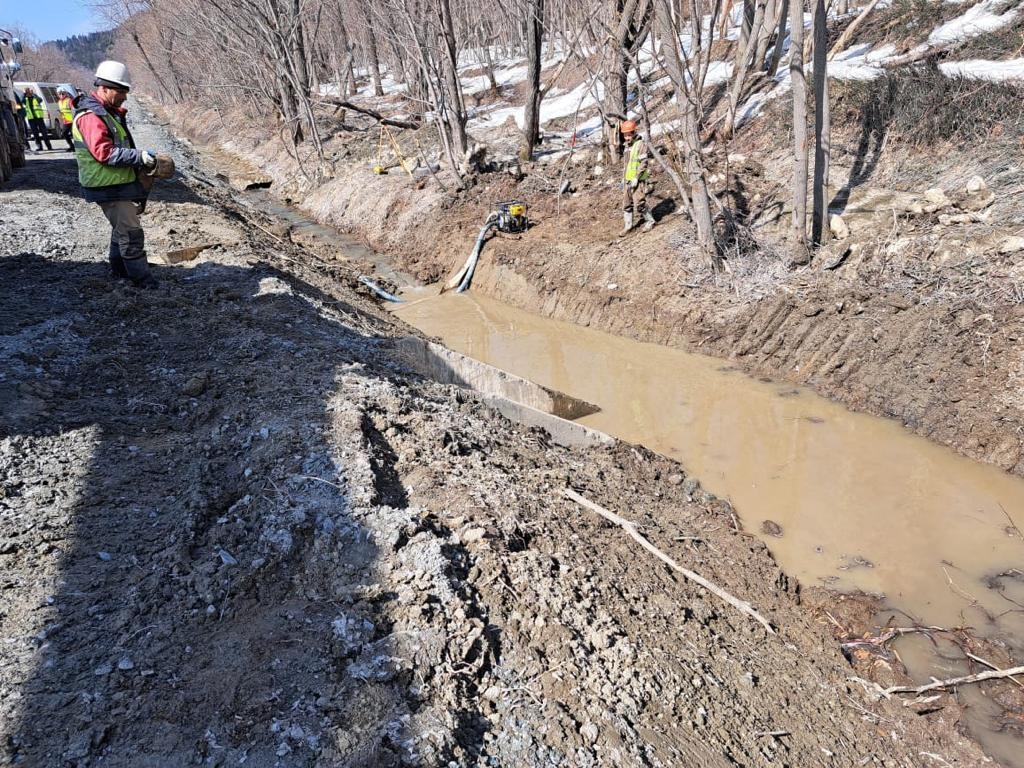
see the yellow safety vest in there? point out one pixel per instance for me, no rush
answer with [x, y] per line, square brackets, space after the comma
[34, 107]
[91, 172]
[633, 164]
[67, 109]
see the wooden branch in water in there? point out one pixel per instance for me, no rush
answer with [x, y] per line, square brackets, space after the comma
[992, 674]
[631, 529]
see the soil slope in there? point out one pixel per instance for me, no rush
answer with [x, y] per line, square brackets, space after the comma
[234, 529]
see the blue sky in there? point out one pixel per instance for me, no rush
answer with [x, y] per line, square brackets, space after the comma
[50, 19]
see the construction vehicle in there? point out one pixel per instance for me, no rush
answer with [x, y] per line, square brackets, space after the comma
[510, 217]
[12, 127]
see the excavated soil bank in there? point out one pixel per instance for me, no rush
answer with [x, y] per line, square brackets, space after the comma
[235, 528]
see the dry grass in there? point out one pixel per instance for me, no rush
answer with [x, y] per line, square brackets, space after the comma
[904, 24]
[921, 107]
[1005, 43]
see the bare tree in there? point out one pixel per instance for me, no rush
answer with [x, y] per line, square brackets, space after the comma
[800, 150]
[629, 23]
[822, 125]
[687, 72]
[531, 114]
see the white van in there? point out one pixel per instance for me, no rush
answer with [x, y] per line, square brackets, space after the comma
[47, 93]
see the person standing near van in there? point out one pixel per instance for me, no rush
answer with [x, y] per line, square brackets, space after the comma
[108, 169]
[35, 116]
[67, 114]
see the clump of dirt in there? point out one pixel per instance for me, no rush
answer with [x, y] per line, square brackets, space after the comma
[235, 528]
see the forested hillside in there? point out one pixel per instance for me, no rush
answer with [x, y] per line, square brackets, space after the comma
[87, 51]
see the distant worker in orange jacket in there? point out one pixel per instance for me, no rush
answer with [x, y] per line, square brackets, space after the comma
[66, 104]
[636, 183]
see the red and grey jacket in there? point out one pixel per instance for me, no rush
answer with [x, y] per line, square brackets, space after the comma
[106, 153]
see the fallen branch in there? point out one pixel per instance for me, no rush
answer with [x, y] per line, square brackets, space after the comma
[371, 113]
[631, 529]
[848, 32]
[993, 674]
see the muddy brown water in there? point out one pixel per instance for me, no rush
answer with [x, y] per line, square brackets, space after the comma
[849, 501]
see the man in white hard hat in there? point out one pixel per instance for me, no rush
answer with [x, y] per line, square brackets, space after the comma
[109, 167]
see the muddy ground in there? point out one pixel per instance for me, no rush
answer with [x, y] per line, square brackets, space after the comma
[236, 529]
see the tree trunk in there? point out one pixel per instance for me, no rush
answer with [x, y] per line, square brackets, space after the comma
[780, 40]
[456, 112]
[531, 115]
[742, 65]
[768, 28]
[372, 53]
[800, 160]
[690, 99]
[629, 21]
[822, 126]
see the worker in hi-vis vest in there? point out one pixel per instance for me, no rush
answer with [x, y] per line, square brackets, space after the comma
[35, 116]
[66, 105]
[109, 166]
[636, 184]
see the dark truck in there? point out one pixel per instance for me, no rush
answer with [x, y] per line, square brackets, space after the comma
[12, 127]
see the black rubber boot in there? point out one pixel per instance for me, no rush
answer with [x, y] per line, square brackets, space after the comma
[139, 274]
[116, 262]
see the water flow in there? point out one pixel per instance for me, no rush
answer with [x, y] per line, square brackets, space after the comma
[845, 500]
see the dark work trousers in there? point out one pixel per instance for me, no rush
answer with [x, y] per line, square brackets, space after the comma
[39, 133]
[66, 135]
[127, 241]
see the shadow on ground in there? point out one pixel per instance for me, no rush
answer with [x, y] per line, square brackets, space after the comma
[194, 567]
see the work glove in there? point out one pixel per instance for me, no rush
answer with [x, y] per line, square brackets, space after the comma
[148, 159]
[164, 168]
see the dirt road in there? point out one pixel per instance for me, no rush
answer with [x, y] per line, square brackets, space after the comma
[234, 529]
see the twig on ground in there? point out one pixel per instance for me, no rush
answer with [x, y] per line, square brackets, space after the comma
[696, 578]
[992, 674]
[890, 633]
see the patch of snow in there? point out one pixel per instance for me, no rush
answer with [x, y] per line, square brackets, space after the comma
[980, 69]
[978, 20]
[859, 62]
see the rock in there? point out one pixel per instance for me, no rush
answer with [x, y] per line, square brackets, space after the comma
[976, 185]
[1012, 244]
[493, 693]
[589, 732]
[226, 557]
[977, 202]
[839, 228]
[125, 664]
[771, 528]
[964, 218]
[103, 670]
[936, 197]
[196, 385]
[105, 556]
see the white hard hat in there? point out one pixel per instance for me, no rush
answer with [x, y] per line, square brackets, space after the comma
[113, 72]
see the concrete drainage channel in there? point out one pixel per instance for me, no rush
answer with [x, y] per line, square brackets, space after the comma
[517, 399]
